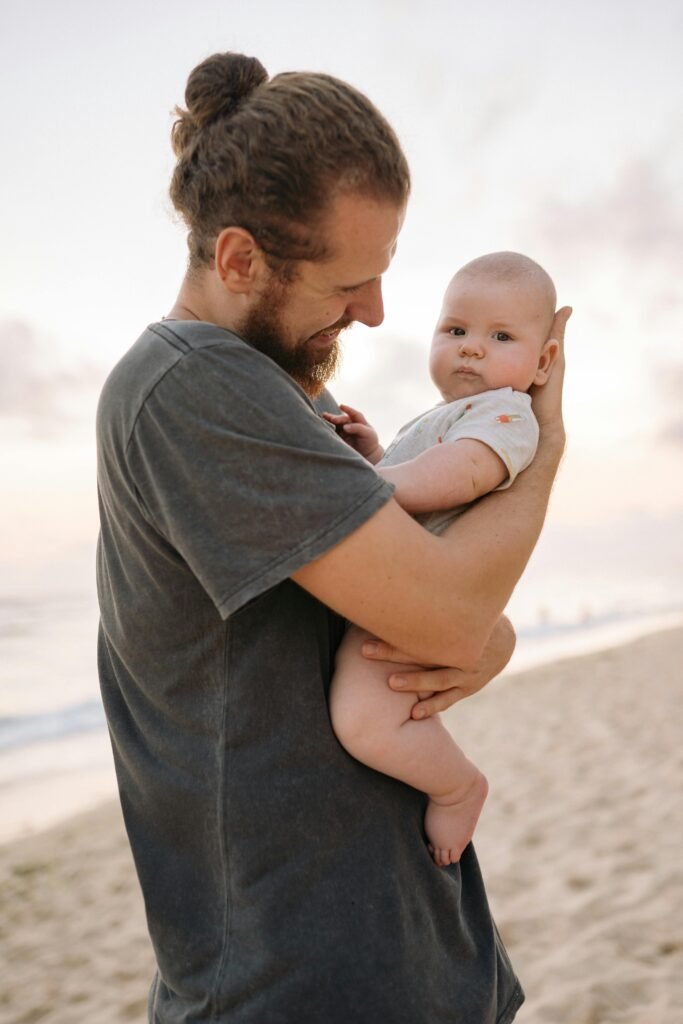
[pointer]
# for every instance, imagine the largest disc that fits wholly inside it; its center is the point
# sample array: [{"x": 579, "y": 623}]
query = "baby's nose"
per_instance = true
[{"x": 470, "y": 347}]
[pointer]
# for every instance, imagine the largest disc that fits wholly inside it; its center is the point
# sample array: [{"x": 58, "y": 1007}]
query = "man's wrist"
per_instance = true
[{"x": 552, "y": 440}]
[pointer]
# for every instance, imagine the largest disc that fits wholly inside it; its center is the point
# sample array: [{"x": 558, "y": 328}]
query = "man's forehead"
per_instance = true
[
  {"x": 355, "y": 224},
  {"x": 354, "y": 283},
  {"x": 359, "y": 236}
]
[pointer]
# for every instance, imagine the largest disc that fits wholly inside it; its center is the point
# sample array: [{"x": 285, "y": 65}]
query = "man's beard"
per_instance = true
[{"x": 263, "y": 329}]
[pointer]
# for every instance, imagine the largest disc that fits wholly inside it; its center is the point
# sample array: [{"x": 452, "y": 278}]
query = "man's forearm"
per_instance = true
[
  {"x": 496, "y": 537},
  {"x": 437, "y": 598}
]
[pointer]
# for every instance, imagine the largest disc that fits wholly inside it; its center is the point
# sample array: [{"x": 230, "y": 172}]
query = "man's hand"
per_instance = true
[
  {"x": 352, "y": 427},
  {"x": 443, "y": 687},
  {"x": 547, "y": 399}
]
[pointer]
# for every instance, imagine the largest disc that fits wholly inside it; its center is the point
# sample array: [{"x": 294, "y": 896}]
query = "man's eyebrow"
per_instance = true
[
  {"x": 361, "y": 284},
  {"x": 377, "y": 277}
]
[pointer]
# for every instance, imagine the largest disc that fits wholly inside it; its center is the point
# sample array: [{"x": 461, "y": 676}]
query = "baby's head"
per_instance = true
[{"x": 494, "y": 326}]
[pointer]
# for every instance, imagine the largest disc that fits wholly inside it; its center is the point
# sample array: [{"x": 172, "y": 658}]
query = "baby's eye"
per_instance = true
[
  {"x": 502, "y": 336},
  {"x": 457, "y": 332}
]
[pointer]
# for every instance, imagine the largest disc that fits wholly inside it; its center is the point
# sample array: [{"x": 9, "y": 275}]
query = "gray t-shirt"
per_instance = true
[{"x": 284, "y": 882}]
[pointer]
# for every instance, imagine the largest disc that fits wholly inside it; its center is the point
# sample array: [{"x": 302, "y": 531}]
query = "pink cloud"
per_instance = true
[{"x": 36, "y": 385}]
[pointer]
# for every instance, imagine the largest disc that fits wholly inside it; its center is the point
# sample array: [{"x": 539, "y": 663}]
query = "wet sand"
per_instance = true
[{"x": 580, "y": 844}]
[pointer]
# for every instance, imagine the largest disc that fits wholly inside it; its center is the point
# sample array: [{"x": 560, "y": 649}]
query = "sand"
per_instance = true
[{"x": 580, "y": 844}]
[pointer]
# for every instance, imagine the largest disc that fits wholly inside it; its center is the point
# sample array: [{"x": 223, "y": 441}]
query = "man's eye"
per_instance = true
[
  {"x": 502, "y": 336},
  {"x": 457, "y": 332}
]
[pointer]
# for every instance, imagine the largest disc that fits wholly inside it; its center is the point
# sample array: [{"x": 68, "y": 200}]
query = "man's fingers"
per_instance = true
[
  {"x": 378, "y": 650},
  {"x": 432, "y": 705},
  {"x": 560, "y": 323},
  {"x": 430, "y": 680}
]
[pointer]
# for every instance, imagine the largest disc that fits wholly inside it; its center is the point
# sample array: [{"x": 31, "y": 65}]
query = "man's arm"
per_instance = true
[
  {"x": 445, "y": 475},
  {"x": 440, "y": 597},
  {"x": 437, "y": 598},
  {"x": 445, "y": 686}
]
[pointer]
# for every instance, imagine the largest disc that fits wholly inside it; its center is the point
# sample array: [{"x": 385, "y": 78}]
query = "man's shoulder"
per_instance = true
[
  {"x": 198, "y": 364},
  {"x": 160, "y": 348}
]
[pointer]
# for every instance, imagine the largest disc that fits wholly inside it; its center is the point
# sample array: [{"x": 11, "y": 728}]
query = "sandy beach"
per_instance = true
[{"x": 580, "y": 844}]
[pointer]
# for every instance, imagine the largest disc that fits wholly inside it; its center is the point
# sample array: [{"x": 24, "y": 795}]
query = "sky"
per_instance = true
[{"x": 553, "y": 130}]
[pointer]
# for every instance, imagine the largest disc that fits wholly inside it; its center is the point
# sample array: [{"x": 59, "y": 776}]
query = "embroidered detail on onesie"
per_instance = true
[
  {"x": 507, "y": 417},
  {"x": 468, "y": 407}
]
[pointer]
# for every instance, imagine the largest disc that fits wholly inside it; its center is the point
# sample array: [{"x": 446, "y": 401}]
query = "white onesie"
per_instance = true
[{"x": 502, "y": 419}]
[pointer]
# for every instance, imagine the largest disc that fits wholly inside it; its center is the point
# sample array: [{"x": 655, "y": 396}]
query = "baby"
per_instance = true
[{"x": 490, "y": 345}]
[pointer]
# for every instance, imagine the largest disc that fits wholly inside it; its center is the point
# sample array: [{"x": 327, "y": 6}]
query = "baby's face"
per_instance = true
[{"x": 490, "y": 334}]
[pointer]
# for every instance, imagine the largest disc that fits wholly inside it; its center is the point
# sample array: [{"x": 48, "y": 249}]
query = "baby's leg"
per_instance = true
[{"x": 373, "y": 723}]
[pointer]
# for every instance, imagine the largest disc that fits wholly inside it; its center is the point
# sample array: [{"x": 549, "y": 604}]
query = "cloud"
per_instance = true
[
  {"x": 670, "y": 381},
  {"x": 37, "y": 389},
  {"x": 673, "y": 433},
  {"x": 636, "y": 223},
  {"x": 669, "y": 385}
]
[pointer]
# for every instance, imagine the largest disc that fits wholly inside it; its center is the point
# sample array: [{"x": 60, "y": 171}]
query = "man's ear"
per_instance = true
[
  {"x": 548, "y": 356},
  {"x": 239, "y": 260}
]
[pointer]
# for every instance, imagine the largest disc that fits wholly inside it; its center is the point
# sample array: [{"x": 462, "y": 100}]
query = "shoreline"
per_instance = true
[
  {"x": 45, "y": 783},
  {"x": 579, "y": 845}
]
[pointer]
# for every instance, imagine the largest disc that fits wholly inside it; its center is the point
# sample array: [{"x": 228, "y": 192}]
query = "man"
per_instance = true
[{"x": 283, "y": 881}]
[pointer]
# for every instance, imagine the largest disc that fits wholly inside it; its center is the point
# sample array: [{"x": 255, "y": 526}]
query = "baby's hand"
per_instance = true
[{"x": 353, "y": 428}]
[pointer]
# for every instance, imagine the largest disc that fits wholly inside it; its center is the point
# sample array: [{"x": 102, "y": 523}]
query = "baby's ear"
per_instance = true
[{"x": 548, "y": 356}]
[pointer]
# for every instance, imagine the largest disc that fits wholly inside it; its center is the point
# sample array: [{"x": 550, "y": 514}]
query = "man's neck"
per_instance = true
[{"x": 197, "y": 300}]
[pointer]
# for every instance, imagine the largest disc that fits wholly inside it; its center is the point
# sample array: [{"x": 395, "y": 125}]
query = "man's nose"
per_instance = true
[{"x": 367, "y": 306}]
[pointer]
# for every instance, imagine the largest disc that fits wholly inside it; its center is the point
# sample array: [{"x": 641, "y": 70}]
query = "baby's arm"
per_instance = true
[{"x": 445, "y": 476}]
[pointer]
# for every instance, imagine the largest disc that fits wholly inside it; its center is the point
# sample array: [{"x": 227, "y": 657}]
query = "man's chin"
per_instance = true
[
  {"x": 313, "y": 374},
  {"x": 311, "y": 364}
]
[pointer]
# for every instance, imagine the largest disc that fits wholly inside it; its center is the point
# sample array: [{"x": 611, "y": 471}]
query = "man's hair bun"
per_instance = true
[
  {"x": 269, "y": 156},
  {"x": 215, "y": 90}
]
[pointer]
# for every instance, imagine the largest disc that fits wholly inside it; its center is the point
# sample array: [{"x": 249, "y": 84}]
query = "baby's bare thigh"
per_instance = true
[{"x": 361, "y": 686}]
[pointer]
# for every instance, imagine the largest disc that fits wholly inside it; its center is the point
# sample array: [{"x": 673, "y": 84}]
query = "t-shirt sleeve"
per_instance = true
[
  {"x": 234, "y": 467},
  {"x": 503, "y": 420}
]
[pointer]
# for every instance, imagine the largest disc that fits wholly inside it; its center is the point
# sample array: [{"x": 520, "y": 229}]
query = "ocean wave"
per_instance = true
[{"x": 22, "y": 730}]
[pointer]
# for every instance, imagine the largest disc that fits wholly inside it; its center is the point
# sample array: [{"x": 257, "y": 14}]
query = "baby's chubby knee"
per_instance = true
[
  {"x": 349, "y": 725},
  {"x": 353, "y": 722},
  {"x": 359, "y": 730}
]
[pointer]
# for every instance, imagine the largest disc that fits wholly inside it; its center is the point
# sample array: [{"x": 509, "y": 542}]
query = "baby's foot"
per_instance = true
[{"x": 451, "y": 818}]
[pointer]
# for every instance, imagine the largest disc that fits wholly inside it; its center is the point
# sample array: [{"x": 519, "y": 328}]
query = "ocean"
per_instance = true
[{"x": 55, "y": 758}]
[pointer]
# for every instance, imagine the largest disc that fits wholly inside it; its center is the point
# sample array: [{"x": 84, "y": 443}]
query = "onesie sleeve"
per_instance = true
[{"x": 503, "y": 420}]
